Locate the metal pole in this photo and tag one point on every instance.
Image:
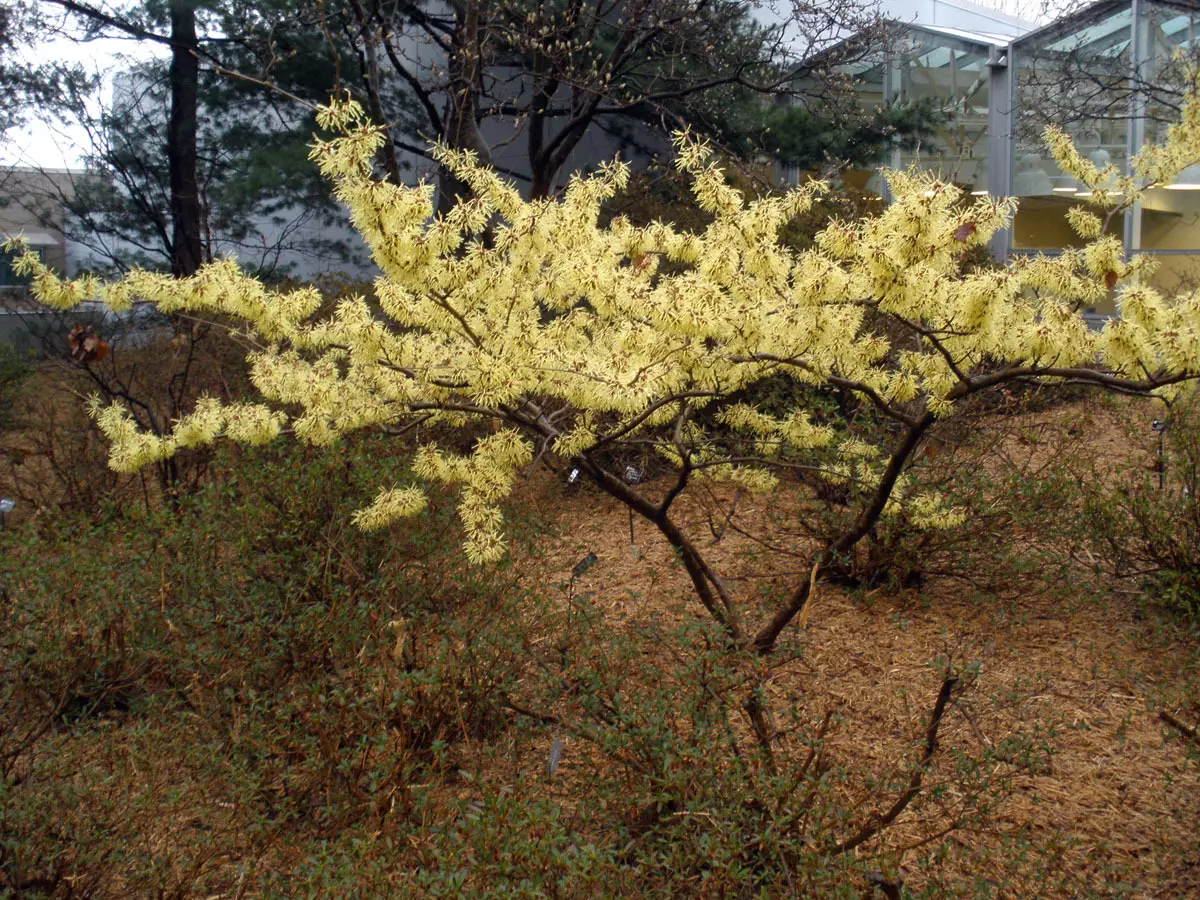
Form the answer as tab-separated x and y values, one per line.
1160	425
1162	462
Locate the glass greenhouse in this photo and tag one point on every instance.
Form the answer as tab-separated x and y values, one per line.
1112	75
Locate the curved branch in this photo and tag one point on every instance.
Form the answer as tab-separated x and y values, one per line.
1077	373
845	383
764	641
879	822
648	412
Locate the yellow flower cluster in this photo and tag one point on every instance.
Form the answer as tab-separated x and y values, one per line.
504	309
486	478
247	423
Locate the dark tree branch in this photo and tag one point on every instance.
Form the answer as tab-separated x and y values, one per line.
765	640
878	823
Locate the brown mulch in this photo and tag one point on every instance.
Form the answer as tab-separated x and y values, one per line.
1113	806
1115	803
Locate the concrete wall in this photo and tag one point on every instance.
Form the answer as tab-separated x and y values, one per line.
31	204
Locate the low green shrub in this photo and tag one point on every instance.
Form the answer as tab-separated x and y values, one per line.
15	367
1002	464
243	694
234	678
1143	522
664	791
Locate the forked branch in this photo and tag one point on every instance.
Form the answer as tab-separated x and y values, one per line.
878	823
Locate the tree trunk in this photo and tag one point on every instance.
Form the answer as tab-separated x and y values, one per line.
186	212
461	130
542	183
369	57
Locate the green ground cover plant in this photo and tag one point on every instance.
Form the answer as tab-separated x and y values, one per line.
15	367
1144	523
148	657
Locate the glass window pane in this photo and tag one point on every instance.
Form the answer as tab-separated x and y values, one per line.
1169	217
868	76
1167	47
1078	78
953	77
950	75
9	278
1041	223
1175	273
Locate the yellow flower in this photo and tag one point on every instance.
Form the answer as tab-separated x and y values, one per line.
533	315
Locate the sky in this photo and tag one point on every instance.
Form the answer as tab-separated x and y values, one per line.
48	144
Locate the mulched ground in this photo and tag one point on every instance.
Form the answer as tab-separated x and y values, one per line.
1082	670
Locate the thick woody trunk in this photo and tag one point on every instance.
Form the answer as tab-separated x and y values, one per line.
186	212
709	588
461	132
542	184
371	39
764	641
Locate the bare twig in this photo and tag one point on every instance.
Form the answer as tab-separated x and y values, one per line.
878	823
1186	730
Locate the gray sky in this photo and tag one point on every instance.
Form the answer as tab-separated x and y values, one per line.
46	143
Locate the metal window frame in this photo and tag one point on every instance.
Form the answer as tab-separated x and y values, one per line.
1002	248
892	78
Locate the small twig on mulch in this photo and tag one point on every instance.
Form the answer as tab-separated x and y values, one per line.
1185	730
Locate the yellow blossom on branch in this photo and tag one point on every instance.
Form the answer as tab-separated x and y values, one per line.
578	340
